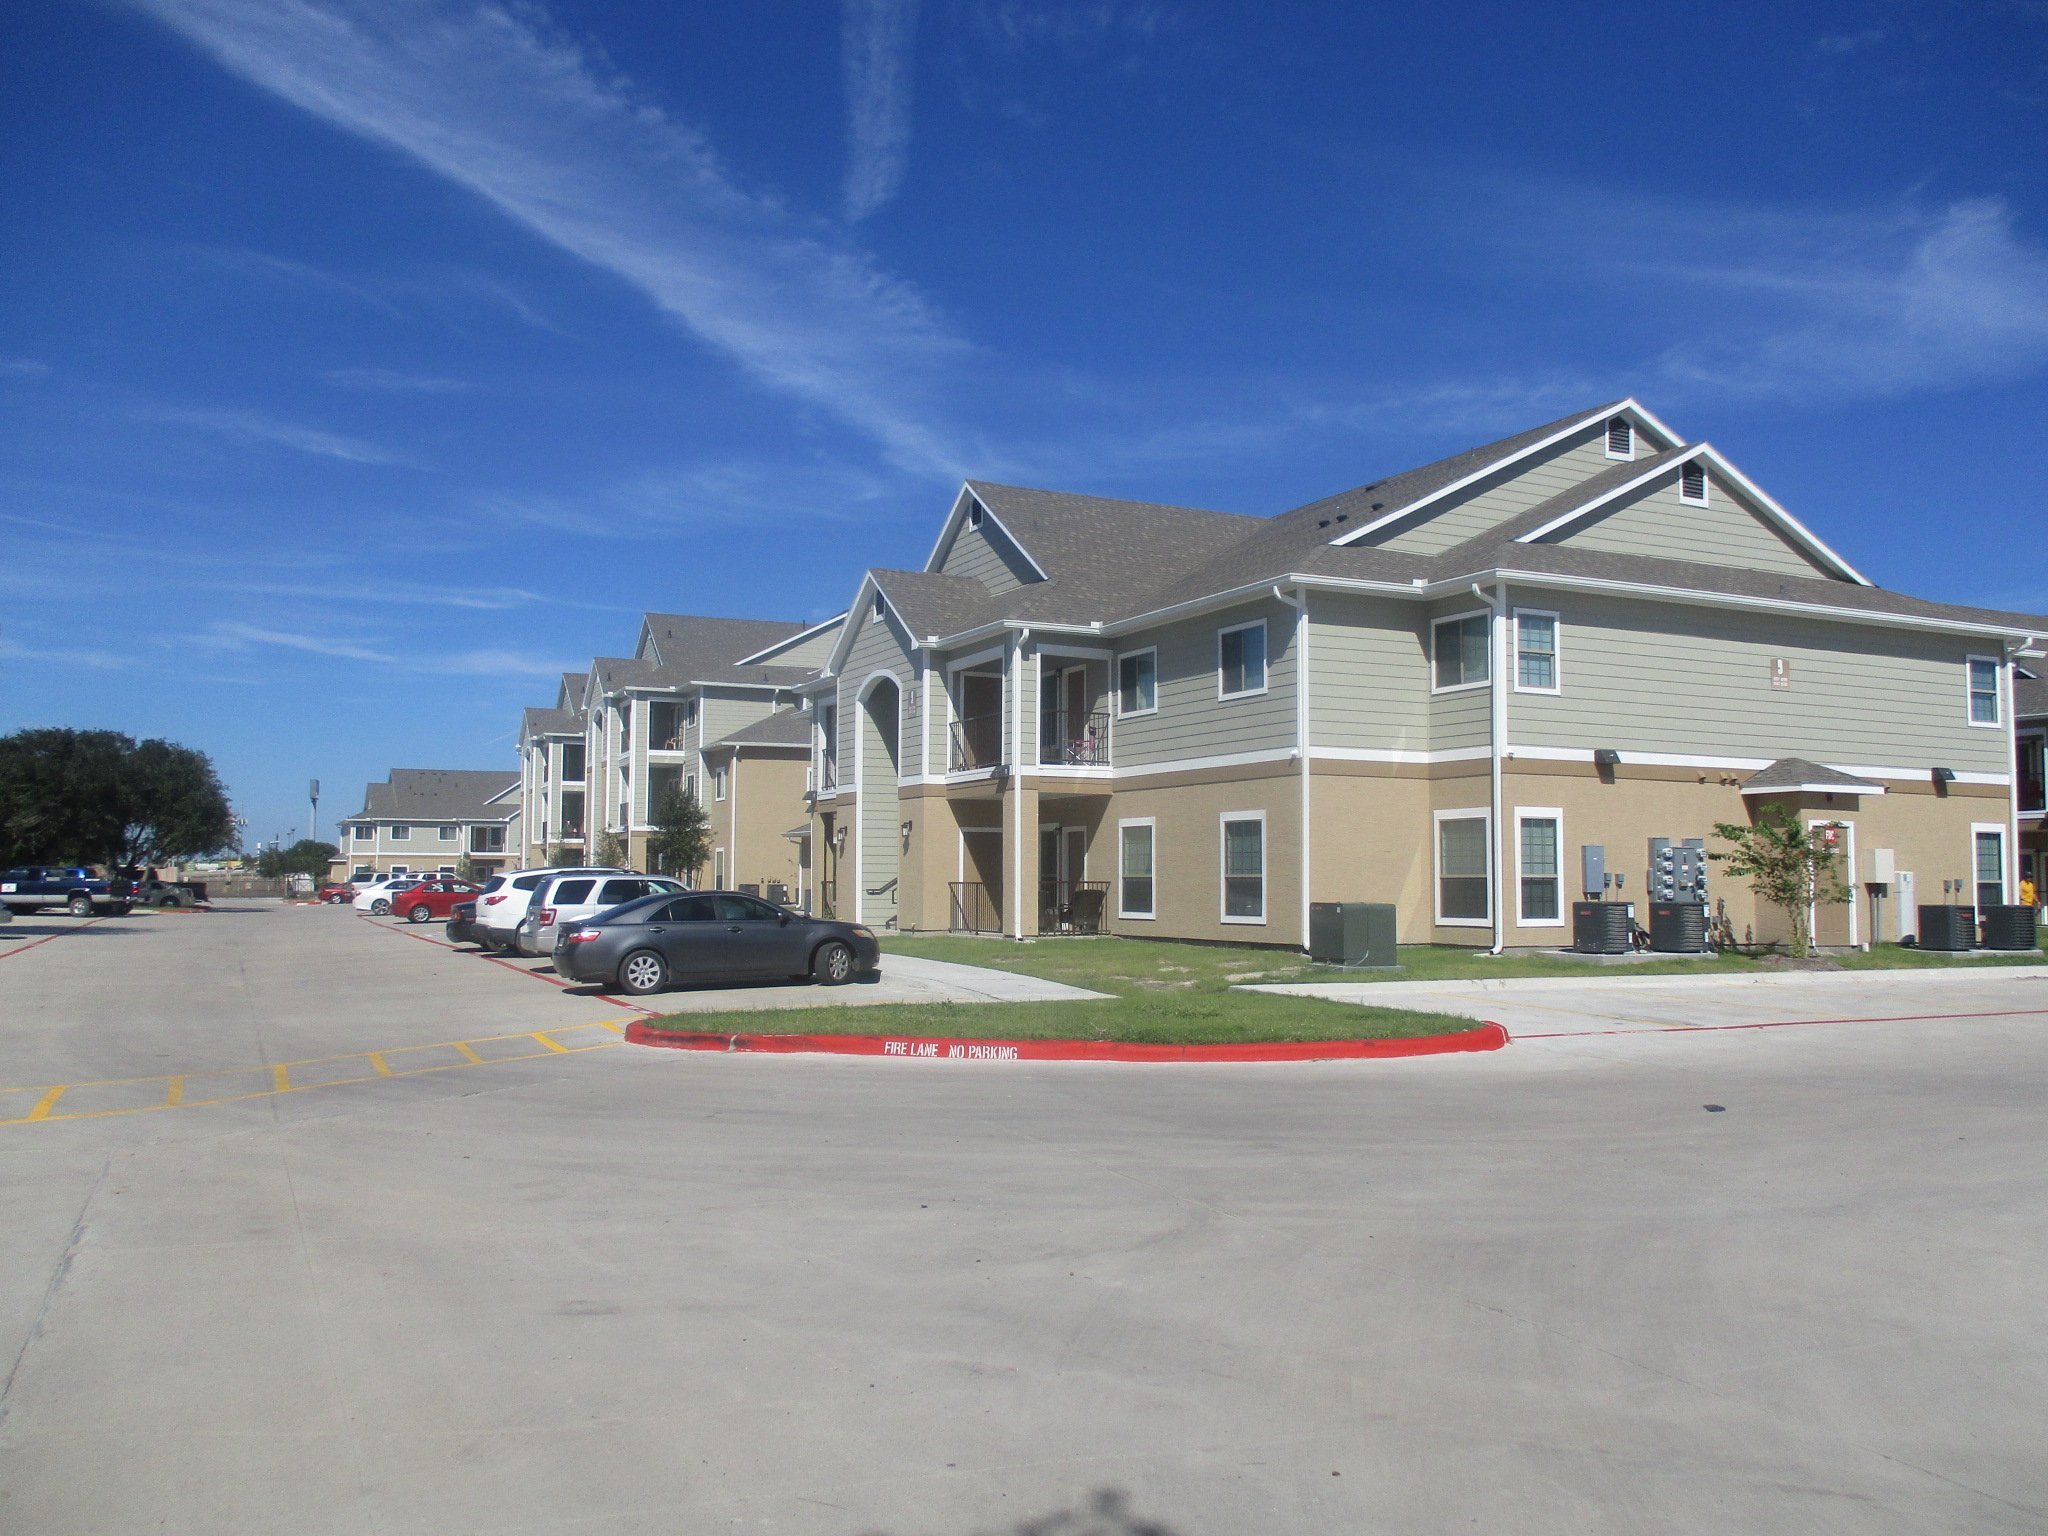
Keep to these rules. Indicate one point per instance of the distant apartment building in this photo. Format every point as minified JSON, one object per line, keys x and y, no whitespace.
{"x":552,"y":776}
{"x":429,"y":821}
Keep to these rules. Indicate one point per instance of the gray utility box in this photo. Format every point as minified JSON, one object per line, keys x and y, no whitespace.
{"x":1678,"y":927}
{"x":1353,"y":933}
{"x":2011,"y":928}
{"x":1600,"y":927}
{"x":1949,"y":928}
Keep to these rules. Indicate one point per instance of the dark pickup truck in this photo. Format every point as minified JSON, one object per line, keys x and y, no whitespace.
{"x":78,"y":890}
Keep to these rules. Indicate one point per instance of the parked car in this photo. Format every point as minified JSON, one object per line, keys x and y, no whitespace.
{"x":33,"y":887}
{"x":501,"y":907}
{"x":461,"y":927}
{"x":572,"y":898}
{"x":170,"y":893}
{"x":376,"y":898}
{"x":436,"y":898}
{"x":659,"y":941}
{"x":334,"y":893}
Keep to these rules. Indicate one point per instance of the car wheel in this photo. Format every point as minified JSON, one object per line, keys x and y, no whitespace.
{"x":833,"y":964}
{"x":172,"y":901}
{"x":380,"y":908}
{"x":642,"y":972}
{"x":79,"y":906}
{"x":420,"y":913}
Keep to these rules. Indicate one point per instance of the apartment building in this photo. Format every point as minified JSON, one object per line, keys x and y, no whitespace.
{"x":694,"y":685}
{"x":2030,"y":772}
{"x":428,"y":821}
{"x":755,"y":778}
{"x":1434,"y":690}
{"x":552,"y":754}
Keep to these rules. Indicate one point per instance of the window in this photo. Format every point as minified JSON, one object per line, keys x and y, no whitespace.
{"x":1459,"y":651}
{"x":1134,"y":869}
{"x":1692,"y":483}
{"x":718,"y":783}
{"x":365,"y":832}
{"x":1241,"y":660}
{"x":1535,"y":651}
{"x":571,"y":893}
{"x":449,"y":834}
{"x":2033,"y":774}
{"x":1621,"y":438}
{"x":974,"y":514}
{"x":1137,"y":683}
{"x":361,"y":874}
{"x":1463,"y":886}
{"x":572,"y":764}
{"x":1983,"y":691}
{"x":401,"y":833}
{"x":1539,"y":835}
{"x":877,"y":608}
{"x":617,"y":892}
{"x":689,"y":712}
{"x":486,"y":839}
{"x":691,"y":909}
{"x":1244,"y":868}
{"x":1989,"y":864}
{"x":718,"y":867}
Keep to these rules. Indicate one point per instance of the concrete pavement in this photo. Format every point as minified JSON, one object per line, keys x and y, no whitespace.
{"x":1769,"y":1280}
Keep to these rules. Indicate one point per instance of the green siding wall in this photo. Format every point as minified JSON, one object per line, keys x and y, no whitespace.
{"x":814,"y":652}
{"x":1727,"y":531}
{"x":1505,"y":494}
{"x":1697,"y":681}
{"x":1192,"y":721}
{"x":877,"y":647}
{"x":987,"y":555}
{"x":1368,"y":674}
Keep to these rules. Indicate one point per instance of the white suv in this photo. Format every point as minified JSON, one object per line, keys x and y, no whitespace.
{"x":501,"y":905}
{"x":572,"y":898}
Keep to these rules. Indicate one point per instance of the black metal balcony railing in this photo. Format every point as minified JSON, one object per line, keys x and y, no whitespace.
{"x":822,"y":777}
{"x":974,"y":909}
{"x":1071,"y":906}
{"x":1076,"y":740}
{"x":977,"y":743}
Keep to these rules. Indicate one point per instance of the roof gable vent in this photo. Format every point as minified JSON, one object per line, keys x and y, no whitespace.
{"x":1621,"y":438}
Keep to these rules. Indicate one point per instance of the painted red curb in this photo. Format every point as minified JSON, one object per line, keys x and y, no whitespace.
{"x":49,"y":938}
{"x":1487,"y":1037}
{"x":485,"y":955}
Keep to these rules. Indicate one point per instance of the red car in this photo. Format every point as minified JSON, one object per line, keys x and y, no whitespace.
{"x":334,"y":895}
{"x":436,"y":898}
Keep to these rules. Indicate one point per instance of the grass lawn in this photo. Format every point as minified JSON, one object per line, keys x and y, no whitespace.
{"x":1167,"y":994}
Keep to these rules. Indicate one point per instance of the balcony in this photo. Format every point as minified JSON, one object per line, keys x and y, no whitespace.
{"x":977,"y":744}
{"x":1074,"y":740}
{"x":1064,"y":907}
{"x":822,"y":778}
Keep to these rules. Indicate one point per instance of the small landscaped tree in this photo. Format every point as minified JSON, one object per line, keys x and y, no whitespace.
{"x":610,"y":851}
{"x":682,"y":834}
{"x":1788,"y":866}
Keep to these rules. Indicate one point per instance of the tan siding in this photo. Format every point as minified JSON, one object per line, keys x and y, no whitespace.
{"x":1505,"y":494}
{"x":1664,"y":678}
{"x":1368,"y":674}
{"x":987,"y":555}
{"x":1192,"y":721}
{"x":1727,"y":531}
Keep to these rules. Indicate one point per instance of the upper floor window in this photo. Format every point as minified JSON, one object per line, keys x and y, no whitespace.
{"x":1983,"y":691}
{"x":448,"y":834}
{"x":1621,"y":438}
{"x":401,"y":833}
{"x":1241,"y":660}
{"x":1692,"y":483}
{"x":877,"y":608}
{"x":689,"y":711}
{"x":718,"y":783}
{"x":1460,"y":650}
{"x":1535,"y":651}
{"x":365,"y":832}
{"x":974,"y":514}
{"x":2033,"y":773}
{"x":1137,"y":683}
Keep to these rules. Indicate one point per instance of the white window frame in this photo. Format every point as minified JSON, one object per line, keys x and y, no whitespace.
{"x":1223,"y":821}
{"x":1556,"y":652}
{"x":1265,"y":662}
{"x":1549,"y":813}
{"x":365,"y":833}
{"x":1997,"y":720}
{"x":1436,"y":858}
{"x":448,"y":832}
{"x":1705,"y":497}
{"x":2020,"y":740}
{"x":717,"y":784}
{"x":1117,"y":682}
{"x":1151,"y":824}
{"x":1459,"y":618}
{"x":1607,"y":438}
{"x":400,"y":831}
{"x":718,"y":869}
{"x":1999,"y":830}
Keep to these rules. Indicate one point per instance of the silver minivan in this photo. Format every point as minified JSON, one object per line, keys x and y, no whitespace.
{"x":502,"y":904}
{"x":573,"y":897}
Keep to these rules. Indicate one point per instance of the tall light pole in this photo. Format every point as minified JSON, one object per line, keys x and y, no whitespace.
{"x":313,"y":822}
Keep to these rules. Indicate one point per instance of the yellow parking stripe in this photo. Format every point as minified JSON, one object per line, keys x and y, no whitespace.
{"x":376,"y":1066}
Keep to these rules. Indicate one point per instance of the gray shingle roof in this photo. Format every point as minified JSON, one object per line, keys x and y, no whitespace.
{"x":1793,"y":773}
{"x":700,"y":648}
{"x":440,"y":795}
{"x":2030,"y":694}
{"x":784,"y":728}
{"x":936,"y":604}
{"x":549,"y":722}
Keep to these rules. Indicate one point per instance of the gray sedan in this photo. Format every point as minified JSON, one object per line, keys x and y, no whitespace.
{"x":660,"y":941}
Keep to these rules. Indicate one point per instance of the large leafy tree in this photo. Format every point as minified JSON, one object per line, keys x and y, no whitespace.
{"x":1788,"y":866}
{"x":681,"y":841}
{"x":101,"y":797}
{"x":308,"y":856}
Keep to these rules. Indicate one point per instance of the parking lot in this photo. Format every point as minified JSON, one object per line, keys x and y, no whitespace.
{"x":527,"y":1278}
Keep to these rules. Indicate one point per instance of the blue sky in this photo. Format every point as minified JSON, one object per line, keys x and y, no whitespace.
{"x":363,"y":364}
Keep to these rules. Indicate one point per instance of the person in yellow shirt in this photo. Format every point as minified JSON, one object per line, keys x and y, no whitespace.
{"x":2029,"y":896}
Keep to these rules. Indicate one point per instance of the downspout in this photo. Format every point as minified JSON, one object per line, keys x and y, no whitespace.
{"x":1299,"y":603}
{"x":2011,"y":685}
{"x":1497,"y":704}
{"x":1014,"y":872}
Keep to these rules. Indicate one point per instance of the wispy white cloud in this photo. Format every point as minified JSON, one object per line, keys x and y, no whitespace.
{"x":253,"y":430}
{"x":23,"y":368}
{"x":233,"y":635}
{"x":498,"y":102}
{"x":97,"y":661}
{"x":295,"y":274}
{"x":878,"y":43}
{"x":392,"y":382}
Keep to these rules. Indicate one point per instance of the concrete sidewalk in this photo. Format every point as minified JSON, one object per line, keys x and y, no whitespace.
{"x":1545,"y":1006}
{"x":904,"y":979}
